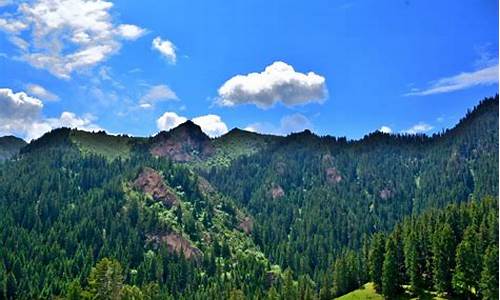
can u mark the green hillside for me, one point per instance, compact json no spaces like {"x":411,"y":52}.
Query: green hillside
{"x":249,"y":216}
{"x":10,"y":146}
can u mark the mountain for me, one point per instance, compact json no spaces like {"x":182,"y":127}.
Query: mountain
{"x":10,"y":146}
{"x":180,"y":215}
{"x":184,"y":143}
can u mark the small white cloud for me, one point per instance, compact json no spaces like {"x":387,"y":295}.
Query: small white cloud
{"x":157,"y":93}
{"x":64,"y":36}
{"x":464,"y":80}
{"x":385,"y":129}
{"x":166,"y":48}
{"x":41,"y":92}
{"x":130,"y":32}
{"x":212,"y":125}
{"x":251,"y":127}
{"x":419,"y":128}
{"x":278,"y":82}
{"x":169,"y":120}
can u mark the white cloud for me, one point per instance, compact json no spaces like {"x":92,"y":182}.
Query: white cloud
{"x":6,"y":2}
{"x":157,"y":93}
{"x":485,"y":76}
{"x":18,"y":111}
{"x":41,"y":92}
{"x":419,"y":128}
{"x":64,"y":36}
{"x":169,"y":120}
{"x":22,"y":115}
{"x":212,"y":125}
{"x":385,"y":129}
{"x":166,"y":48}
{"x":130,"y":32}
{"x":288,"y":124}
{"x":278,"y":82}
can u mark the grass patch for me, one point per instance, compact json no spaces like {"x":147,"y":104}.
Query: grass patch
{"x":109,"y":146}
{"x":368,"y":292}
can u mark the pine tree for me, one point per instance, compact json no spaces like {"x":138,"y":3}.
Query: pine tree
{"x":489,"y":275}
{"x":411,"y":261}
{"x":466,"y":276}
{"x":289,"y":289}
{"x":442,"y":262}
{"x":325,"y":291}
{"x":106,"y":279}
{"x":390,"y":270}
{"x":376,"y":259}
{"x":11,"y":286}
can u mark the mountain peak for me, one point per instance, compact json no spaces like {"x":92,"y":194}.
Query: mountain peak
{"x":182,"y":143}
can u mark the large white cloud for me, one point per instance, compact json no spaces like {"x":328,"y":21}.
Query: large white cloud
{"x":166,"y":49}
{"x":21,"y":115}
{"x":212,"y":125}
{"x":157,"y":93}
{"x":278,"y":82}
{"x":63,"y":36}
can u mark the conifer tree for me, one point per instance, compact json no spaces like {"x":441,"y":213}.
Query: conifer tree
{"x":489,"y":275}
{"x":390,"y":271}
{"x":376,"y":260}
{"x":442,"y":263}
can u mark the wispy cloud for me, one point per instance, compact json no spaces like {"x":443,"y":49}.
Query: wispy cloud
{"x":157,"y":93}
{"x":465,"y":80}
{"x":288,"y":124}
{"x":419,"y":128}
{"x":64,"y":36}
{"x":41,"y":92}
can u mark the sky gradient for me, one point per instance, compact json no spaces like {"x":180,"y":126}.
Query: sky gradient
{"x":343,"y":68}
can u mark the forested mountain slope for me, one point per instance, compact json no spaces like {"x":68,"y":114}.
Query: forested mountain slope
{"x":181,"y":215}
{"x":10,"y":146}
{"x":312,"y":196}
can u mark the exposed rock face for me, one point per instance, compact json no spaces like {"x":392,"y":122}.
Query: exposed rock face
{"x":205,"y":186}
{"x":176,"y":244}
{"x":386,"y":193}
{"x":327,"y":159}
{"x":151,"y":183}
{"x":277,"y":192}
{"x":183,"y":143}
{"x":246,"y":225}
{"x":333,"y":175}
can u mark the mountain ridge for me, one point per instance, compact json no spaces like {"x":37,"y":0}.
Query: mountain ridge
{"x":202,"y":144}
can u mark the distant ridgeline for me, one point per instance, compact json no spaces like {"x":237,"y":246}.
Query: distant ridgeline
{"x":251,"y":216}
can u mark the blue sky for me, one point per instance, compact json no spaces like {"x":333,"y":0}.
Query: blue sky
{"x":344,"y":68}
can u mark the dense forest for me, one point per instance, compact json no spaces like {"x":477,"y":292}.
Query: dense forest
{"x":248,"y":216}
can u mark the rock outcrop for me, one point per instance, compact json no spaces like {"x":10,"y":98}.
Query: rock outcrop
{"x":151,"y":182}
